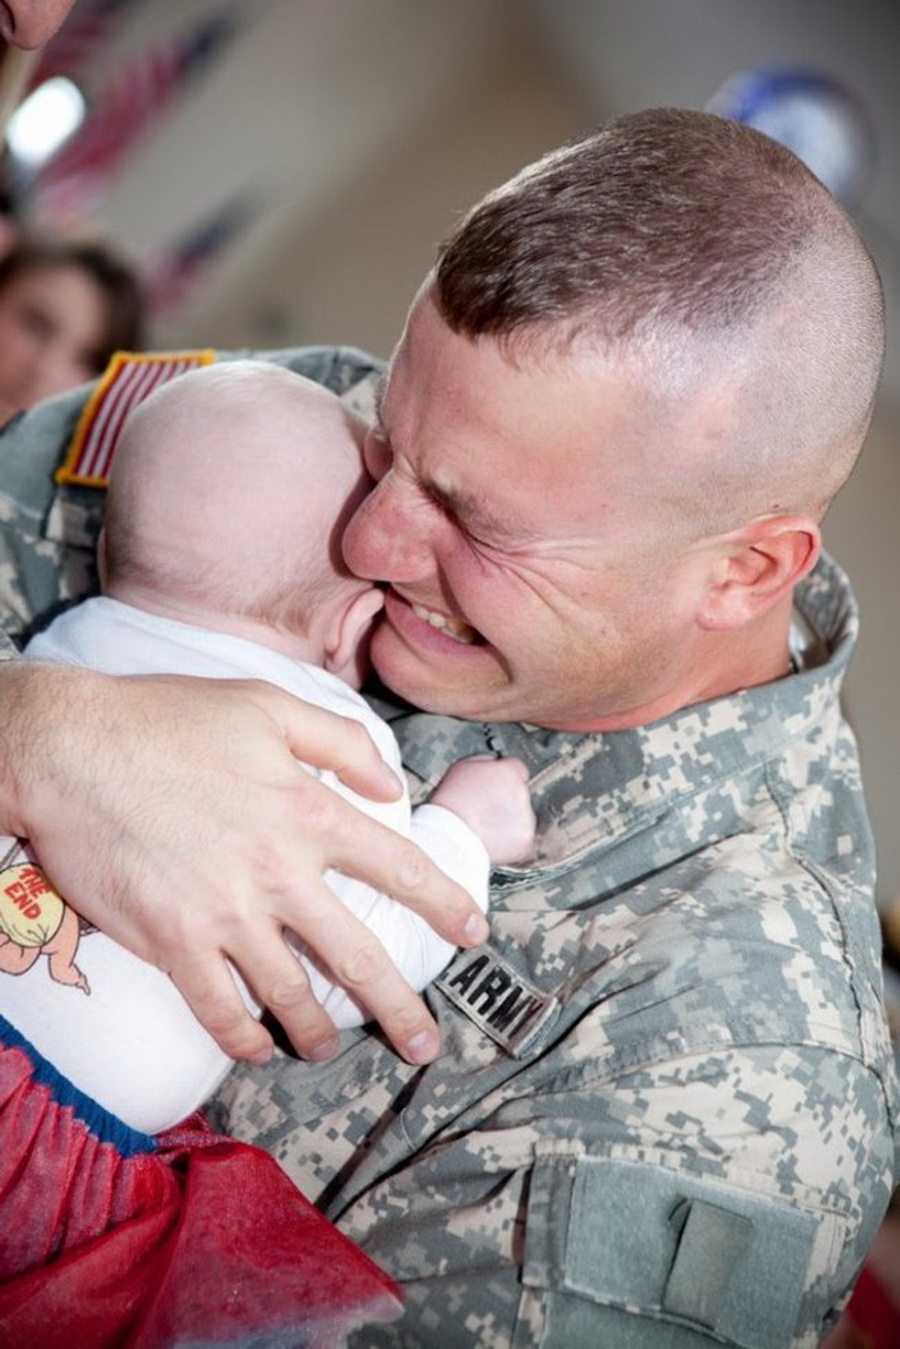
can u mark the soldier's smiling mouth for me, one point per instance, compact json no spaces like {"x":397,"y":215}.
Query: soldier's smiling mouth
{"x":457,"y":628}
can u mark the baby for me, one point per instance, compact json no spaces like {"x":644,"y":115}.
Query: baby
{"x":221,"y":557}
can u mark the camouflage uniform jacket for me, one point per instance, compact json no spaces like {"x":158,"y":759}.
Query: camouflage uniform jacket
{"x":664,"y":1109}
{"x":663,"y":1113}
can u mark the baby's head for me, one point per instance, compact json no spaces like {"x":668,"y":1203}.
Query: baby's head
{"x":228,"y":497}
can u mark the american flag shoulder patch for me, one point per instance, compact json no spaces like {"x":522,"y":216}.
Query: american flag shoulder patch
{"x":127,"y":381}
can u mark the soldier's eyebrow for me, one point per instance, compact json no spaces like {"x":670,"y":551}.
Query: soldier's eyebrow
{"x":473,"y":513}
{"x":461,"y":504}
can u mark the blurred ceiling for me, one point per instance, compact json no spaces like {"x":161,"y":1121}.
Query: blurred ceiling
{"x":628,"y":54}
{"x":313,"y":97}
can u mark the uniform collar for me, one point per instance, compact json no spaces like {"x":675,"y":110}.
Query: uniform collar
{"x":618,"y":782}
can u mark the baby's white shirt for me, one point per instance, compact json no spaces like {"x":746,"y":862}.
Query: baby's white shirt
{"x":132,"y":1043}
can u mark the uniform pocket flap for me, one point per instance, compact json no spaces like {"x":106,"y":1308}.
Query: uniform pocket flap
{"x":671,"y":1246}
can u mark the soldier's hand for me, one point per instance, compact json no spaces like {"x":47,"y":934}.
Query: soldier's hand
{"x":172,"y":812}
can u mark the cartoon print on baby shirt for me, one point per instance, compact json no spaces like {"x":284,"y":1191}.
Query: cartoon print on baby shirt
{"x":35,"y":921}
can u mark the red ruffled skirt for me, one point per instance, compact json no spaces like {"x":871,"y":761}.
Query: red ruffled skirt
{"x":110,"y":1237}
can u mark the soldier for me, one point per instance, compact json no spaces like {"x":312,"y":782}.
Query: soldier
{"x":664,"y":1106}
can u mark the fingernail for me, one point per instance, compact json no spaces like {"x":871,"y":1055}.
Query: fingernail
{"x":325,"y":1049}
{"x":261,"y":1057}
{"x":423,"y":1047}
{"x":391,"y":783}
{"x":476,"y":929}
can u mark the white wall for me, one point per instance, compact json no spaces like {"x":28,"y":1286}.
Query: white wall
{"x":861,"y":531}
{"x":344,"y":269}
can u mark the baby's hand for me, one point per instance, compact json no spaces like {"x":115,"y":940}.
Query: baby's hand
{"x":491,"y":796}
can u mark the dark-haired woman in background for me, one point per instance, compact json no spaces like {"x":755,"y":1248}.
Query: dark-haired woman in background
{"x":65,"y":307}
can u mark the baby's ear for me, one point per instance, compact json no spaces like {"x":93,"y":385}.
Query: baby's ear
{"x":347,"y":649}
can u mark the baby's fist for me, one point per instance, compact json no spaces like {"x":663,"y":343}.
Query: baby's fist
{"x":491,"y":796}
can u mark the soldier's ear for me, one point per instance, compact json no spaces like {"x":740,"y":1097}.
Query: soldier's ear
{"x":756,"y":567}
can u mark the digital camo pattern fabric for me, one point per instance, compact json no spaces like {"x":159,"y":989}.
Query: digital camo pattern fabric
{"x":664,"y":1110}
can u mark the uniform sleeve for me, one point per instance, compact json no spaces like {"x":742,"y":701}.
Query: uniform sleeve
{"x":8,"y":648}
{"x":46,"y":542}
{"x":723,"y":1199}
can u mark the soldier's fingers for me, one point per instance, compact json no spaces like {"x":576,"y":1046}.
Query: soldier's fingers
{"x":280,"y":983}
{"x":328,"y":740}
{"x":363,"y":967}
{"x":380,"y":857}
{"x":207,"y":984}
{"x":359,"y":964}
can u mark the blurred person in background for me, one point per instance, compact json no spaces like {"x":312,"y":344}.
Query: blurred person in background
{"x":28,"y":24}
{"x":65,"y":307}
{"x":9,"y":225}
{"x":25,"y":26}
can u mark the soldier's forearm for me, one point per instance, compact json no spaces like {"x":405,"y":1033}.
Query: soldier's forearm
{"x":36,"y":702}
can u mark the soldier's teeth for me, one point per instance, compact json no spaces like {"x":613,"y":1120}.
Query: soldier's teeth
{"x":453,"y":627}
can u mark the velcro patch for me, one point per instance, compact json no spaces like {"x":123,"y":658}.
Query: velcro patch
{"x":129,"y":378}
{"x":494,"y":996}
{"x":672,"y":1246}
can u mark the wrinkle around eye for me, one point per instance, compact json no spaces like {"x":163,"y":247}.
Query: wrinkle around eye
{"x":519,"y":553}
